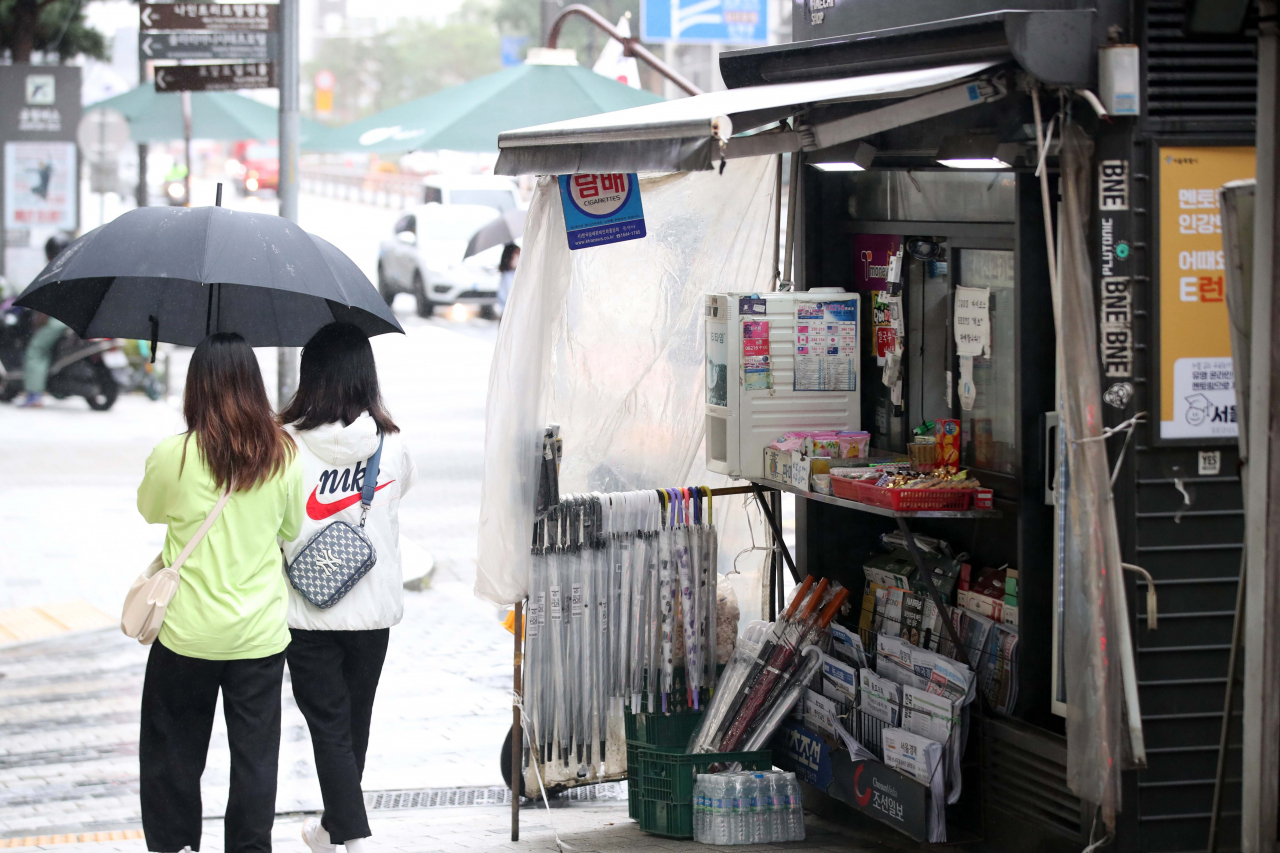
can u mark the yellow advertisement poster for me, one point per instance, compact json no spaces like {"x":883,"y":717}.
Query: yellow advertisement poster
{"x":1197,"y":393}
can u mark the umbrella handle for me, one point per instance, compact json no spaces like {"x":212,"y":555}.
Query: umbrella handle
{"x":155,"y":335}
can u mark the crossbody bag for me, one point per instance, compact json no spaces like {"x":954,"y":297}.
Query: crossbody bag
{"x":339,"y":555}
{"x":149,"y":596}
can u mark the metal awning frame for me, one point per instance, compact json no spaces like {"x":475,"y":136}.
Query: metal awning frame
{"x":697,"y":142}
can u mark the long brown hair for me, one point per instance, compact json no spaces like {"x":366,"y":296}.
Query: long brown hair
{"x":227,"y":410}
{"x":337,"y":381}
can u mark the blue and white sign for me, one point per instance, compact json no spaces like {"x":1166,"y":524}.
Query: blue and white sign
{"x":705,"y":21}
{"x":601,"y":209}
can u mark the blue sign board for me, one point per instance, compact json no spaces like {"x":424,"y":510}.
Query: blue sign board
{"x":734,"y":22}
{"x":512,"y":48}
{"x":601,"y":209}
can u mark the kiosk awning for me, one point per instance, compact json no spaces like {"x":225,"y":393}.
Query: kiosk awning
{"x":689,"y":134}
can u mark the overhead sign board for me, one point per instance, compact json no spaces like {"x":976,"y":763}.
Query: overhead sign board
{"x":216,"y":78}
{"x":1197,"y":382}
{"x":212,"y":17}
{"x":249,"y":47}
{"x":729,"y":22}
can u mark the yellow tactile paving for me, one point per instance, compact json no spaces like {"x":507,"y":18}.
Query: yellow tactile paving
{"x":32,"y":623}
{"x":71,"y":838}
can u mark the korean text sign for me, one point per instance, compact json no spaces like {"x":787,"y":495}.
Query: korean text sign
{"x":601,"y":209}
{"x":1197,"y":391}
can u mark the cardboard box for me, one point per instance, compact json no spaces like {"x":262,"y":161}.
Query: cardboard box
{"x":787,"y":466}
{"x":983,"y":604}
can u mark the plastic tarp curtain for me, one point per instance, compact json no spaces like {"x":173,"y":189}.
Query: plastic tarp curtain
{"x":607,"y":342}
{"x":1093,"y":583}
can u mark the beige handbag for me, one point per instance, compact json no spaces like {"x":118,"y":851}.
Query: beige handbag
{"x":149,"y":597}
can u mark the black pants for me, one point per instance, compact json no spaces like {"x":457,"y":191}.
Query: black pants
{"x":335,"y":675}
{"x":179,"y":697}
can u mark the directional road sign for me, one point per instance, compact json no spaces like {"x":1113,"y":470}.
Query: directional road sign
{"x":251,"y":47}
{"x":213,"y":17}
{"x":729,"y":22}
{"x":215,"y":78}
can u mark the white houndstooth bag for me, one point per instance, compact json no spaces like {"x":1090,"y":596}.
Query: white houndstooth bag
{"x":337,"y":557}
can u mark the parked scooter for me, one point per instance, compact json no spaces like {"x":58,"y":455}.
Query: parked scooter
{"x":79,"y":369}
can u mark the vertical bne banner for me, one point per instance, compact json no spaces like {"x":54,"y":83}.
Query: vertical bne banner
{"x":1197,"y":389}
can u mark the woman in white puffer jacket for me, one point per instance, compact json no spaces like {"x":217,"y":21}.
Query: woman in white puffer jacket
{"x":336,"y":654}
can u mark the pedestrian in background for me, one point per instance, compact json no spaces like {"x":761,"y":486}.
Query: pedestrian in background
{"x":226,"y":626}
{"x":507,"y":273}
{"x":39,"y":355}
{"x":335,"y":659}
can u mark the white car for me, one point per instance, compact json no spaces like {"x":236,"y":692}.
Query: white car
{"x":424,"y":258}
{"x":489,"y":190}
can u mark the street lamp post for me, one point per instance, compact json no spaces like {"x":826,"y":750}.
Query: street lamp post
{"x":287,"y":357}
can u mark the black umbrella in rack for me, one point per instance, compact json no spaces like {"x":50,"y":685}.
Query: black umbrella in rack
{"x":177,"y":274}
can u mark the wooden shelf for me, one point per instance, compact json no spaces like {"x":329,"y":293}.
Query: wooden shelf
{"x":878,"y":510}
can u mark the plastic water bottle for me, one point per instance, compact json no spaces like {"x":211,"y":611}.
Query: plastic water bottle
{"x":699,"y":807}
{"x":719,"y":810}
{"x":775,"y":818}
{"x":737,"y":812}
{"x":795,"y":823}
{"x":755,"y":807}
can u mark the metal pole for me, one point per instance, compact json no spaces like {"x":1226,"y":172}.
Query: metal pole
{"x":631,"y":46}
{"x":1261,"y":740}
{"x":287,"y":357}
{"x":186,"y":142}
{"x":140,"y":193}
{"x":517,"y":738}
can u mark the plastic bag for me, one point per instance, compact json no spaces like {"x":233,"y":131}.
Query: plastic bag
{"x":607,"y":342}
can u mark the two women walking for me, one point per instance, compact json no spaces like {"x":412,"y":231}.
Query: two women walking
{"x":235,"y":619}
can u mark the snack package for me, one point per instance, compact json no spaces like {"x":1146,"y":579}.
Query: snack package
{"x":947,"y":439}
{"x":853,"y":445}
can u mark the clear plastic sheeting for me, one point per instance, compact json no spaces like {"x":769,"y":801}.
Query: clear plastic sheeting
{"x":1094,"y":589}
{"x":607,"y":343}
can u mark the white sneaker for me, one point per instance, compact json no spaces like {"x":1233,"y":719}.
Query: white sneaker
{"x":316,"y":837}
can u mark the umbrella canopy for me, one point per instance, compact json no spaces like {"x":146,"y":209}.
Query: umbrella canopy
{"x":507,"y":228}
{"x":177,"y":274}
{"x":470,"y":116}
{"x":157,"y":116}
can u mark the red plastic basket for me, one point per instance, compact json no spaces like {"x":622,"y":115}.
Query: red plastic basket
{"x":902,"y":500}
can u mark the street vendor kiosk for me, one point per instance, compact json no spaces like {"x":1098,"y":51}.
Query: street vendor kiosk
{"x":925,"y":170}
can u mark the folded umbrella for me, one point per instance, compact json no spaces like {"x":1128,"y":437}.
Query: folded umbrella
{"x":504,"y":229}
{"x":178,"y":274}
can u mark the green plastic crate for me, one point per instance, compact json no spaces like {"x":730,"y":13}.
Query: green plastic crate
{"x":674,"y":820}
{"x":662,"y":730}
{"x":633,"y":802}
{"x":668,"y":777}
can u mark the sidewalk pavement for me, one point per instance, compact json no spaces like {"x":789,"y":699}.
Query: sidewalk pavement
{"x":69,"y":719}
{"x":583,"y":827}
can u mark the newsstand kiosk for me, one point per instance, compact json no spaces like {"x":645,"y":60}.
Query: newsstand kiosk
{"x":916,"y":170}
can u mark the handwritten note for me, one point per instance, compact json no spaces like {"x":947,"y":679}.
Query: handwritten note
{"x":973,"y":321}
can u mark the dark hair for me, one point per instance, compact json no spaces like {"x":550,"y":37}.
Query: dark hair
{"x":55,"y":244}
{"x":338,"y":380}
{"x":227,"y":410}
{"x":509,"y":251}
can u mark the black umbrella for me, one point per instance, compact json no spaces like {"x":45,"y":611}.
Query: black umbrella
{"x":177,"y":274}
{"x":507,"y":228}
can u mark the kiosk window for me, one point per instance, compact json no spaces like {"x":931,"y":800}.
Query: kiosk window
{"x":990,"y":426}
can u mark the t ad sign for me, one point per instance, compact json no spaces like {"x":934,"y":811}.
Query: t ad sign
{"x":601,"y":209}
{"x":1197,"y":388}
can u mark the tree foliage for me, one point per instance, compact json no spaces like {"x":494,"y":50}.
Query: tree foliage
{"x":410,"y":61}
{"x":48,"y":26}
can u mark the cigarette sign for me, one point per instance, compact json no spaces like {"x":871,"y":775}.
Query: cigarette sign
{"x":1196,"y":379}
{"x":212,"y":17}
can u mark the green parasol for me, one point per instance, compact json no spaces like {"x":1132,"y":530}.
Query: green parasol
{"x":469,"y":117}
{"x":157,"y":116}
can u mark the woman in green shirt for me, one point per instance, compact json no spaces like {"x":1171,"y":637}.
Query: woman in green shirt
{"x":226,"y":626}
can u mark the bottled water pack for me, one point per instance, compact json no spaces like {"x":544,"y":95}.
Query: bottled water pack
{"x":747,"y":808}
